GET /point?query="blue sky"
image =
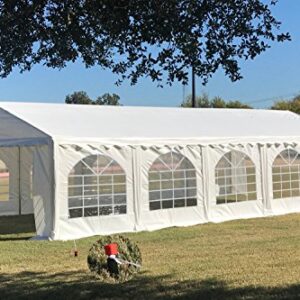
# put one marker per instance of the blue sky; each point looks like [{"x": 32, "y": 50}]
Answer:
[{"x": 272, "y": 75}]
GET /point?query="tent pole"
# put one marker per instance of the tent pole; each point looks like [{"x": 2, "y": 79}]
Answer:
[
  {"x": 193, "y": 88},
  {"x": 20, "y": 208}
]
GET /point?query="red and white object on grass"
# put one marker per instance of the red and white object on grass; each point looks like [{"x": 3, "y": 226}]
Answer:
[{"x": 111, "y": 249}]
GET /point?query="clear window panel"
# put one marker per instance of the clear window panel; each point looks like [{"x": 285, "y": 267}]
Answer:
[
  {"x": 251, "y": 179},
  {"x": 154, "y": 185},
  {"x": 168, "y": 194},
  {"x": 276, "y": 195},
  {"x": 165, "y": 185},
  {"x": 75, "y": 213},
  {"x": 154, "y": 195},
  {"x": 75, "y": 202},
  {"x": 113, "y": 168},
  {"x": 90, "y": 211},
  {"x": 105, "y": 199},
  {"x": 4, "y": 182},
  {"x": 166, "y": 175},
  {"x": 105, "y": 189},
  {"x": 90, "y": 190},
  {"x": 90, "y": 180},
  {"x": 96, "y": 183},
  {"x": 251, "y": 187},
  {"x": 276, "y": 170},
  {"x": 235, "y": 178},
  {"x": 154, "y": 176},
  {"x": 81, "y": 169},
  {"x": 154, "y": 205},
  {"x": 75, "y": 191},
  {"x": 105, "y": 179},
  {"x": 191, "y": 192},
  {"x": 231, "y": 198},
  {"x": 167, "y": 204},
  {"x": 241, "y": 197},
  {"x": 191, "y": 174},
  {"x": 191, "y": 182},
  {"x": 285, "y": 177},
  {"x": 170, "y": 175},
  {"x": 120, "y": 189},
  {"x": 296, "y": 193},
  {"x": 252, "y": 196},
  {"x": 286, "y": 185},
  {"x": 179, "y": 203},
  {"x": 250, "y": 170},
  {"x": 120, "y": 199},
  {"x": 105, "y": 210},
  {"x": 295, "y": 184},
  {"x": 120, "y": 209},
  {"x": 276, "y": 178},
  {"x": 220, "y": 199},
  {"x": 90, "y": 201},
  {"x": 191, "y": 202},
  {"x": 119, "y": 179},
  {"x": 75, "y": 180},
  {"x": 179, "y": 184},
  {"x": 179, "y": 193},
  {"x": 179, "y": 174},
  {"x": 286, "y": 193}
]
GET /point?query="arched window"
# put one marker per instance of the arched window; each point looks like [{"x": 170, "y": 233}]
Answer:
[
  {"x": 97, "y": 186},
  {"x": 286, "y": 174},
  {"x": 4, "y": 182},
  {"x": 235, "y": 178},
  {"x": 172, "y": 182}
]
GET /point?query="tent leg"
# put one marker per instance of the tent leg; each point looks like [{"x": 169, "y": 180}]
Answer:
[{"x": 19, "y": 177}]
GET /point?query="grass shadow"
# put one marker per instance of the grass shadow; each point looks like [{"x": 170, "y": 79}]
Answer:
[{"x": 81, "y": 285}]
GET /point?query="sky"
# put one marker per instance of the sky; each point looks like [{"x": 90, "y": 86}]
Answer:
[{"x": 271, "y": 76}]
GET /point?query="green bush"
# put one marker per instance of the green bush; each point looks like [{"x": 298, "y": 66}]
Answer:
[{"x": 128, "y": 251}]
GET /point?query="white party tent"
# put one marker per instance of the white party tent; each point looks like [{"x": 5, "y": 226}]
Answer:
[{"x": 86, "y": 170}]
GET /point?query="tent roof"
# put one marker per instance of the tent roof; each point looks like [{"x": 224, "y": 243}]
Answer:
[{"x": 65, "y": 123}]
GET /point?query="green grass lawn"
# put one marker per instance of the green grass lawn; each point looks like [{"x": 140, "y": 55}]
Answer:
[{"x": 245, "y": 259}]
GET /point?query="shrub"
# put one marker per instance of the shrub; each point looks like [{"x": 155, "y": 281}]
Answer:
[{"x": 128, "y": 251}]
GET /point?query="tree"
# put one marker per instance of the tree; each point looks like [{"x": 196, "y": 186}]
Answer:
[
  {"x": 217, "y": 102},
  {"x": 201, "y": 101},
  {"x": 108, "y": 99},
  {"x": 237, "y": 104},
  {"x": 291, "y": 105},
  {"x": 82, "y": 97},
  {"x": 157, "y": 39}
]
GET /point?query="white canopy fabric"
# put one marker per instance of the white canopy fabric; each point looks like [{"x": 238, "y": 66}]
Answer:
[
  {"x": 151, "y": 124},
  {"x": 86, "y": 170},
  {"x": 16, "y": 131}
]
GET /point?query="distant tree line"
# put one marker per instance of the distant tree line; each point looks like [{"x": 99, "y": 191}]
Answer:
[
  {"x": 82, "y": 97},
  {"x": 291, "y": 105},
  {"x": 217, "y": 102},
  {"x": 202, "y": 101}
]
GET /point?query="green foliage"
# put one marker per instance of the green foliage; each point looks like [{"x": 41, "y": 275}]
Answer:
[
  {"x": 108, "y": 99},
  {"x": 218, "y": 102},
  {"x": 121, "y": 36},
  {"x": 291, "y": 105},
  {"x": 128, "y": 251},
  {"x": 237, "y": 104},
  {"x": 82, "y": 97},
  {"x": 203, "y": 101}
]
